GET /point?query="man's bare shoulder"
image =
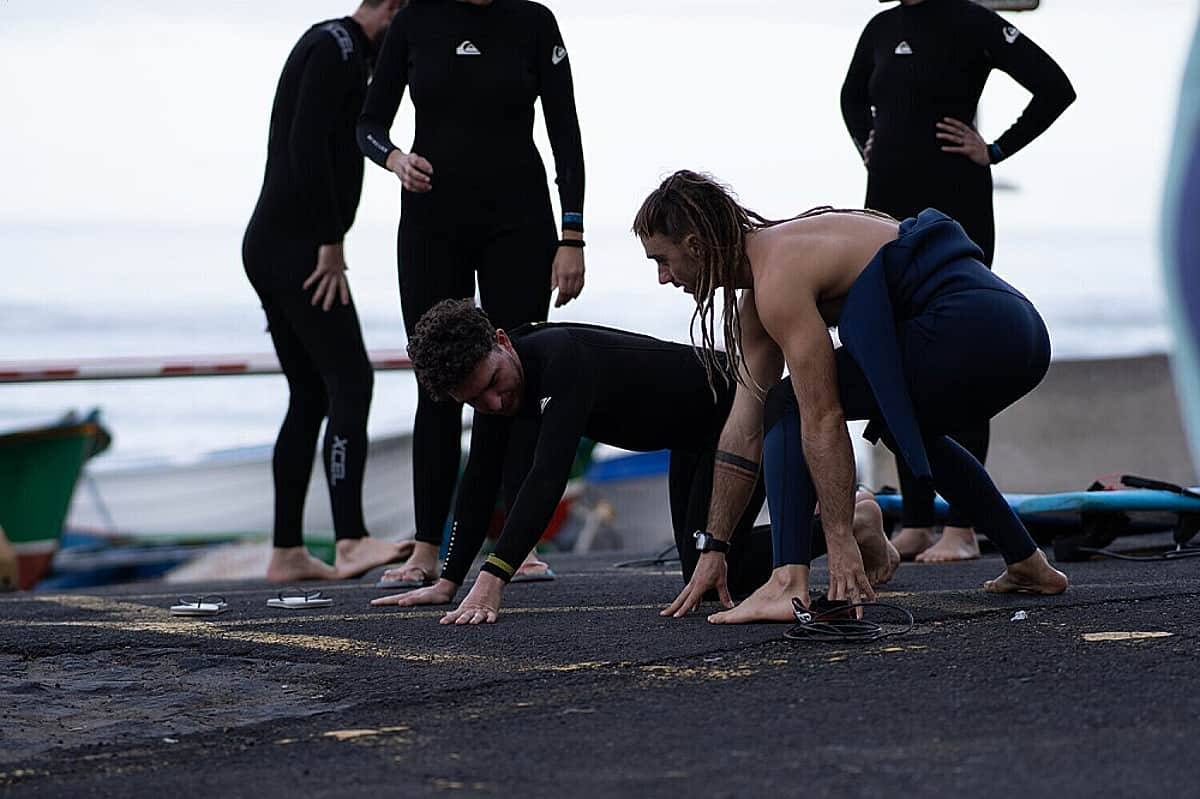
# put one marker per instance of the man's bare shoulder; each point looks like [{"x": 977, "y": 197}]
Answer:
[{"x": 811, "y": 260}]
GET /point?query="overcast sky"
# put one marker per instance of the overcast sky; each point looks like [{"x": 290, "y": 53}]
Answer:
[{"x": 157, "y": 111}]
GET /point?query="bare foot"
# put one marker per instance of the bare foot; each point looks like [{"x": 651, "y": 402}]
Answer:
[
  {"x": 912, "y": 541},
  {"x": 357, "y": 556},
  {"x": 292, "y": 564},
  {"x": 422, "y": 565},
  {"x": 1033, "y": 575},
  {"x": 956, "y": 543},
  {"x": 880, "y": 558},
  {"x": 772, "y": 601},
  {"x": 533, "y": 568}
]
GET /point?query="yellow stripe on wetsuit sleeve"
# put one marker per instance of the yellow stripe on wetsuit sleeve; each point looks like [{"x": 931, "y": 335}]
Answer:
[{"x": 499, "y": 564}]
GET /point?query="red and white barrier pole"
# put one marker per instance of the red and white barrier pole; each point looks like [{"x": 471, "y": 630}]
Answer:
[{"x": 187, "y": 366}]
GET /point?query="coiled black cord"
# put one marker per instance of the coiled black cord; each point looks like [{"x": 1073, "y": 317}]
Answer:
[{"x": 835, "y": 622}]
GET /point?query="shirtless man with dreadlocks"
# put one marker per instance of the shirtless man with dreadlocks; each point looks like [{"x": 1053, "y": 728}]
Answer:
[{"x": 932, "y": 341}]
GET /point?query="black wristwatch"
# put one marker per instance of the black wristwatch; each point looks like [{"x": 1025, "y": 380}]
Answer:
[{"x": 706, "y": 542}]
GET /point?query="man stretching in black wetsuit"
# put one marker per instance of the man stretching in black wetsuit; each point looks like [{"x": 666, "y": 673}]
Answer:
[
  {"x": 537, "y": 393},
  {"x": 293, "y": 256}
]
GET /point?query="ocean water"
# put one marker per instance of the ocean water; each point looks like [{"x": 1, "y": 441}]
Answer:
[
  {"x": 127, "y": 185},
  {"x": 95, "y": 291}
]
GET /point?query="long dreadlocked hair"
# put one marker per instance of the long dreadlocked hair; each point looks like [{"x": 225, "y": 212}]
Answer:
[{"x": 695, "y": 203}]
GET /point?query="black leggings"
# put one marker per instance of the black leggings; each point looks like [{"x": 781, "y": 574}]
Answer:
[
  {"x": 965, "y": 197},
  {"x": 513, "y": 266},
  {"x": 971, "y": 355},
  {"x": 329, "y": 376},
  {"x": 749, "y": 557}
]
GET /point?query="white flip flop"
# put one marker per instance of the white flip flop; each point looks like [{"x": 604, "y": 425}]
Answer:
[
  {"x": 299, "y": 600},
  {"x": 209, "y": 605}
]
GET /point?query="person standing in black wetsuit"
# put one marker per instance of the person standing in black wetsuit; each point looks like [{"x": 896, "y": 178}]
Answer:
[
  {"x": 909, "y": 100},
  {"x": 536, "y": 393},
  {"x": 475, "y": 203},
  {"x": 292, "y": 252}
]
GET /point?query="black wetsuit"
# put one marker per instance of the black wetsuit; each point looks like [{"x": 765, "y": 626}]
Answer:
[
  {"x": 913, "y": 66},
  {"x": 618, "y": 388},
  {"x": 474, "y": 73},
  {"x": 309, "y": 197}
]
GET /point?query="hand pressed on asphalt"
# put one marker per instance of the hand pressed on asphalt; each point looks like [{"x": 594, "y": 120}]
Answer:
[
  {"x": 710, "y": 573},
  {"x": 847, "y": 576},
  {"x": 481, "y": 605},
  {"x": 440, "y": 593}
]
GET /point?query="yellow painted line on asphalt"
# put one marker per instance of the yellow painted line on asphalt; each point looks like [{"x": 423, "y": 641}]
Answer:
[
  {"x": 96, "y": 603},
  {"x": 294, "y": 617},
  {"x": 350, "y": 735},
  {"x": 1126, "y": 636},
  {"x": 695, "y": 672}
]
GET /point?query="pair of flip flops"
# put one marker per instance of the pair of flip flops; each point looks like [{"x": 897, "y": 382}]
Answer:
[{"x": 213, "y": 604}]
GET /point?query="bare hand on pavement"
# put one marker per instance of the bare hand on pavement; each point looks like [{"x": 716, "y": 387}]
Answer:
[
  {"x": 847, "y": 576},
  {"x": 482, "y": 604},
  {"x": 710, "y": 573},
  {"x": 440, "y": 593}
]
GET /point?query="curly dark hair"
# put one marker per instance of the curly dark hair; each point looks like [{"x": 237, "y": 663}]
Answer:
[{"x": 448, "y": 343}]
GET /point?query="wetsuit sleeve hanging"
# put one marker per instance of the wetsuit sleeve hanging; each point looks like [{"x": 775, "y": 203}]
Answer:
[
  {"x": 565, "y": 408},
  {"x": 386, "y": 91},
  {"x": 1013, "y": 52},
  {"x": 477, "y": 494},
  {"x": 328, "y": 78},
  {"x": 562, "y": 122},
  {"x": 856, "y": 101}
]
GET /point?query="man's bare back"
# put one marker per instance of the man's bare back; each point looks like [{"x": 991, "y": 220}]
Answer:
[{"x": 820, "y": 256}]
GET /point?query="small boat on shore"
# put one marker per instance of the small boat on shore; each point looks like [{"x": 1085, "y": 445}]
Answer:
[{"x": 39, "y": 469}]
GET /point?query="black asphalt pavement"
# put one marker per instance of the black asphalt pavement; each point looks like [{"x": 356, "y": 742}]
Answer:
[{"x": 582, "y": 690}]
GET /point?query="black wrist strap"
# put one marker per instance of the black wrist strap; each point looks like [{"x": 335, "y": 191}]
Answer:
[
  {"x": 572, "y": 243},
  {"x": 710, "y": 542}
]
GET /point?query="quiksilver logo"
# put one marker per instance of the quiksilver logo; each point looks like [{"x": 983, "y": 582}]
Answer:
[
  {"x": 1010, "y": 34},
  {"x": 467, "y": 48},
  {"x": 558, "y": 55},
  {"x": 903, "y": 49}
]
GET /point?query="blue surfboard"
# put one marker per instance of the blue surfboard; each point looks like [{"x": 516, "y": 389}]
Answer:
[{"x": 1086, "y": 518}]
